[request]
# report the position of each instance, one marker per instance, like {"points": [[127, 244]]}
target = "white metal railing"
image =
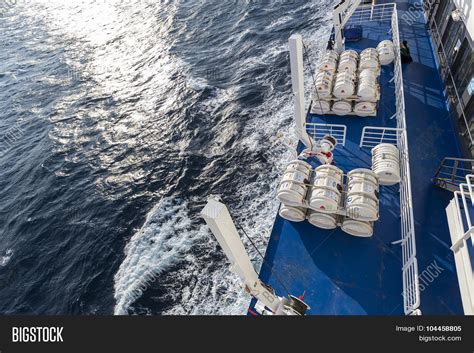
{"points": [[380, 12], [410, 263], [411, 290], [469, 179], [373, 136], [462, 230], [461, 239], [465, 191], [452, 173], [319, 131]]}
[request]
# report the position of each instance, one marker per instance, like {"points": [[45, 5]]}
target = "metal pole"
{"points": [[220, 222], [297, 79]]}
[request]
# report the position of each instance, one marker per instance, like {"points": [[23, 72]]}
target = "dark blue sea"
{"points": [[118, 119]]}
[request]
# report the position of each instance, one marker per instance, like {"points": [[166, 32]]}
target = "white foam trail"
{"points": [[5, 259], [162, 241], [168, 235]]}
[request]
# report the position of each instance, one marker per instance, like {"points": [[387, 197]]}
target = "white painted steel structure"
{"points": [[219, 220], [297, 79], [341, 15], [318, 131], [461, 230], [373, 136]]}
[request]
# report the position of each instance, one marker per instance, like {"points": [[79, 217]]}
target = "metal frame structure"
{"points": [[374, 12], [341, 14], [411, 289], [319, 131], [373, 136], [462, 230], [452, 173]]}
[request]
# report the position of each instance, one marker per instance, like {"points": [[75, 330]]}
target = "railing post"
{"points": [[455, 170], [441, 166], [363, 137]]}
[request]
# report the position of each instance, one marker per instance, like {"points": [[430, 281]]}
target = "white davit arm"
{"points": [[321, 149], [341, 14], [220, 222], [297, 80]]}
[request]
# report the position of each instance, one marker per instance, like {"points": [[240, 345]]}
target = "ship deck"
{"points": [[343, 275]]}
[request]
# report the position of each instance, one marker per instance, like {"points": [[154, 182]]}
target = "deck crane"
{"points": [[341, 15], [323, 147], [320, 149], [220, 222]]}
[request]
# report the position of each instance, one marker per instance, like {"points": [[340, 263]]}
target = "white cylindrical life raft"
{"points": [[369, 60], [294, 184], [386, 164], [358, 228], [362, 201], [326, 191], [348, 61], [367, 89], [299, 165], [365, 109], [322, 220], [293, 214], [386, 51], [329, 62], [324, 84], [341, 107], [344, 86], [320, 107]]}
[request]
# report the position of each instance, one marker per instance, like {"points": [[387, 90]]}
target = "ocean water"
{"points": [[118, 119]]}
